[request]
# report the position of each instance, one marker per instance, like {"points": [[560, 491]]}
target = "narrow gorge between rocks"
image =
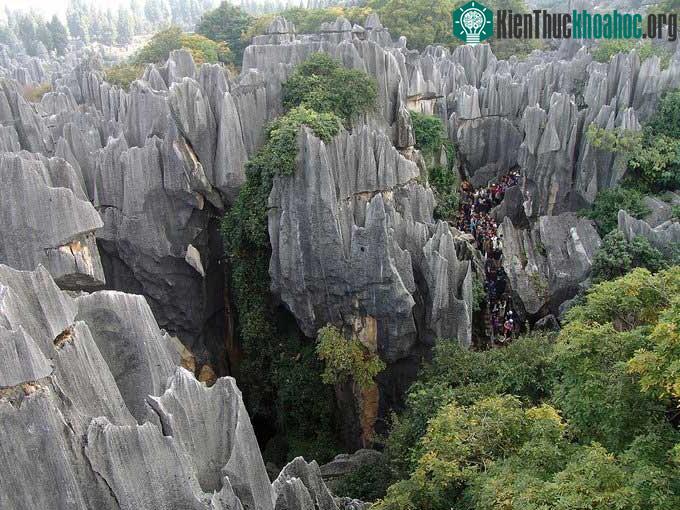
{"points": [[273, 257]]}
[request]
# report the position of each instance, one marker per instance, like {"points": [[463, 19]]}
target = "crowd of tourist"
{"points": [[474, 218]]}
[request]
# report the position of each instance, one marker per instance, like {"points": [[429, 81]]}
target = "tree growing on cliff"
{"points": [[227, 24], [322, 84], [346, 360]]}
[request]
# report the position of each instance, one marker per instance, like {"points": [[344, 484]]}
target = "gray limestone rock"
{"points": [[309, 484], [118, 321], [664, 237], [213, 427], [546, 264], [48, 225], [143, 468]]}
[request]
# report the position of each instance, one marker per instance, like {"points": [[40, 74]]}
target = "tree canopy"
{"points": [[587, 421], [226, 24]]}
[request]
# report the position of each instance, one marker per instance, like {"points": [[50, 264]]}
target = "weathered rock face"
{"points": [[664, 237], [77, 378], [546, 264], [354, 244], [300, 486], [46, 219]]}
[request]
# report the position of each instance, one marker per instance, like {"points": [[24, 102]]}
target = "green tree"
{"points": [[426, 22], [27, 34], [323, 85], [606, 49], [607, 204], [227, 24], [59, 35], [124, 27], [77, 19], [617, 256], [346, 359], [162, 43]]}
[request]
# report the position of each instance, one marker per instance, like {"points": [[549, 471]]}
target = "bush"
{"points": [[605, 210], [653, 154], [430, 138], [321, 84], [34, 93], [445, 183], [617, 257], [367, 483], [429, 133], [346, 359], [123, 75], [202, 49]]}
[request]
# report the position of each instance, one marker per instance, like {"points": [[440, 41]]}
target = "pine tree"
{"points": [[76, 19], [108, 28], [59, 35], [124, 27], [43, 34], [26, 32]]}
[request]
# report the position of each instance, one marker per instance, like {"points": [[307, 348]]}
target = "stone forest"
{"points": [[323, 255]]}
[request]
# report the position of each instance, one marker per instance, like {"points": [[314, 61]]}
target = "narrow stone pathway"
{"points": [[502, 322]]}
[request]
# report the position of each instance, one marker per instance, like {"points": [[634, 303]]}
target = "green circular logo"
{"points": [[472, 23]]}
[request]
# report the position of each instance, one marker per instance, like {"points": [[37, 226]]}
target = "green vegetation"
{"points": [[309, 20], [586, 421], [653, 154], [429, 133], [425, 22], [430, 140], [606, 49], [346, 360], [607, 204], [34, 93], [158, 49], [367, 483], [123, 74], [280, 372], [226, 24], [617, 257], [321, 84]]}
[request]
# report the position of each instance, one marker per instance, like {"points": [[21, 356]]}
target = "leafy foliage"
{"points": [[202, 49], [34, 93], [346, 359], [653, 154], [308, 21], [429, 133], [430, 140], [426, 22], [321, 84], [226, 24], [607, 204], [123, 74], [586, 426], [606, 49], [366, 483], [617, 257], [279, 366], [658, 365]]}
